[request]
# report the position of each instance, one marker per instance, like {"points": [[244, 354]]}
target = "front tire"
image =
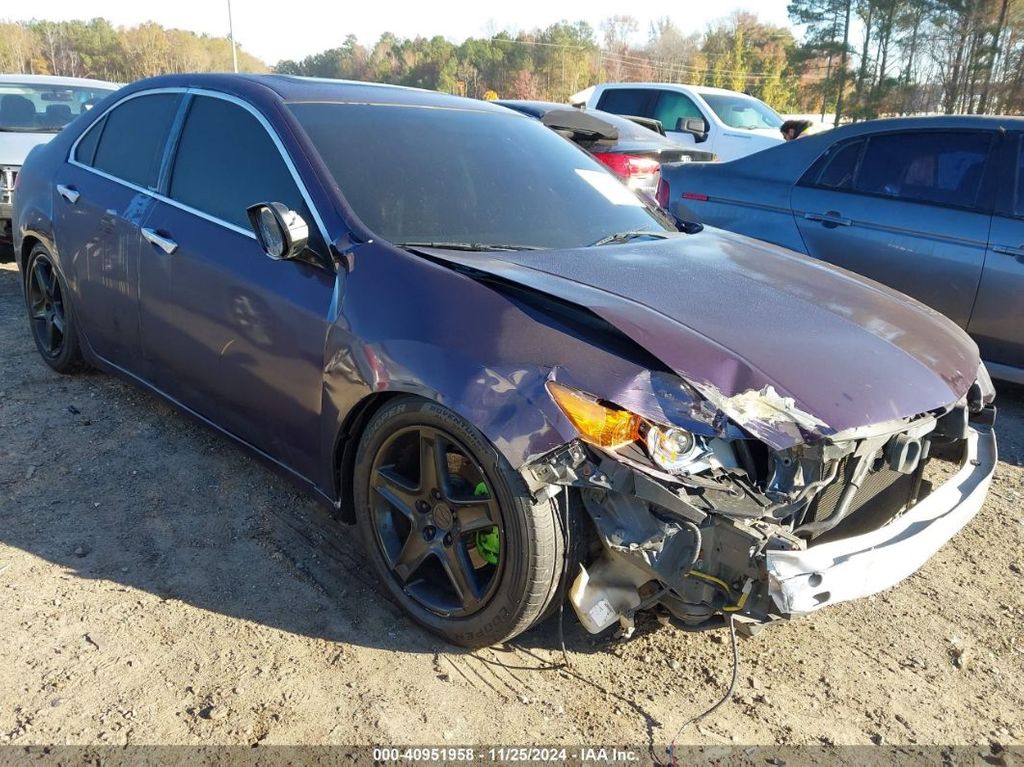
{"points": [[451, 528], [50, 313]]}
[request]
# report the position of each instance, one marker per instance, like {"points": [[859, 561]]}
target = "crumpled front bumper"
{"points": [[801, 582]]}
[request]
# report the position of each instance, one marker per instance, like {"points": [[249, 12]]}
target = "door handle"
{"points": [[1017, 253], [831, 219], [165, 244], [69, 193]]}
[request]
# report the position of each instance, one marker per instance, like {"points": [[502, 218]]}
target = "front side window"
{"points": [[130, 139], [44, 108], [418, 175], [226, 162], [673, 107], [937, 167], [743, 112]]}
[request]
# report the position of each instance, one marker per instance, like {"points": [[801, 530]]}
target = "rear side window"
{"points": [[131, 144], [227, 162], [626, 101], [673, 107], [937, 167], [86, 151]]}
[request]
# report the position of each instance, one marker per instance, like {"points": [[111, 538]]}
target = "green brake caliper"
{"points": [[488, 545]]}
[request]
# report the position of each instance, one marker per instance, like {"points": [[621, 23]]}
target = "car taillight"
{"points": [[663, 194], [638, 172]]}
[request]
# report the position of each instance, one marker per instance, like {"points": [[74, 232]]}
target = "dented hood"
{"points": [[790, 348]]}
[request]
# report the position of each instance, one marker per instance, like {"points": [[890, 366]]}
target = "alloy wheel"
{"points": [[436, 521], [46, 306]]}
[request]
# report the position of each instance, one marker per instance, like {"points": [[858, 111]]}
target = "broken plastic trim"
{"points": [[764, 406], [850, 568]]}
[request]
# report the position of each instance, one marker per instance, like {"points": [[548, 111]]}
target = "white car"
{"points": [[730, 124], [33, 108]]}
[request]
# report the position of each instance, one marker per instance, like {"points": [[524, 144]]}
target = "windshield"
{"points": [[44, 108], [743, 112], [418, 175]]}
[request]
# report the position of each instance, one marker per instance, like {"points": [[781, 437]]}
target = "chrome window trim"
{"points": [[168, 200], [187, 208], [73, 153]]}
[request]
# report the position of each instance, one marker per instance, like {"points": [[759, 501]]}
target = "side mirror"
{"points": [[282, 233], [695, 126]]}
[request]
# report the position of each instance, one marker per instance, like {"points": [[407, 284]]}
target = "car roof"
{"points": [[885, 124], [701, 89], [80, 82], [295, 89], [791, 159]]}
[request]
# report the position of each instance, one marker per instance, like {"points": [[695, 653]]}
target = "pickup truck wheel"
{"points": [[451, 528], [50, 313]]}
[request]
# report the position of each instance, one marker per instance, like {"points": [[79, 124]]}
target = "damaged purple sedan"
{"points": [[521, 383]]}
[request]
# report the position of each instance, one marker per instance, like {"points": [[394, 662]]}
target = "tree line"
{"points": [[740, 52], [99, 50], [884, 57], [552, 63], [857, 58]]}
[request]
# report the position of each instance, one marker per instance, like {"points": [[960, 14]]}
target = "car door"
{"points": [[671, 107], [997, 323], [227, 331], [904, 208], [101, 196]]}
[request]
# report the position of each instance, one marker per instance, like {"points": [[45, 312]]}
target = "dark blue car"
{"points": [[461, 332], [930, 206]]}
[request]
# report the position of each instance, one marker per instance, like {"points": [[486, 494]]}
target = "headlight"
{"points": [[8, 174], [599, 425], [672, 449]]}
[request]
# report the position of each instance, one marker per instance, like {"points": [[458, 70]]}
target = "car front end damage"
{"points": [[709, 521]]}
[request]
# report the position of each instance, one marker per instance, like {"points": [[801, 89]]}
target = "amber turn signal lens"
{"points": [[597, 424]]}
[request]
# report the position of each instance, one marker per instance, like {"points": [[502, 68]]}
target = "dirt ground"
{"points": [[159, 586]]}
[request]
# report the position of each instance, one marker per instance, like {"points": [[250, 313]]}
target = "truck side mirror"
{"points": [[695, 126]]}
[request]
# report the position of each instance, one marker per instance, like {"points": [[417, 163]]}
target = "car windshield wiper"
{"points": [[630, 234], [482, 247]]}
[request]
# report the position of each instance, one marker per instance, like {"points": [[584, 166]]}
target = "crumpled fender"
{"points": [[492, 372]]}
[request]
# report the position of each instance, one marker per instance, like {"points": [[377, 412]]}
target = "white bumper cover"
{"points": [[803, 581]]}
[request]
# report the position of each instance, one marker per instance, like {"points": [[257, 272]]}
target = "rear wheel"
{"points": [[451, 528], [50, 313]]}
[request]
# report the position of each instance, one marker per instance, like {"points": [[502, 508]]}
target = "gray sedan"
{"points": [[930, 206]]}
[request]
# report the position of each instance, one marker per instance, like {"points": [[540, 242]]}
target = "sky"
{"points": [[297, 28]]}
